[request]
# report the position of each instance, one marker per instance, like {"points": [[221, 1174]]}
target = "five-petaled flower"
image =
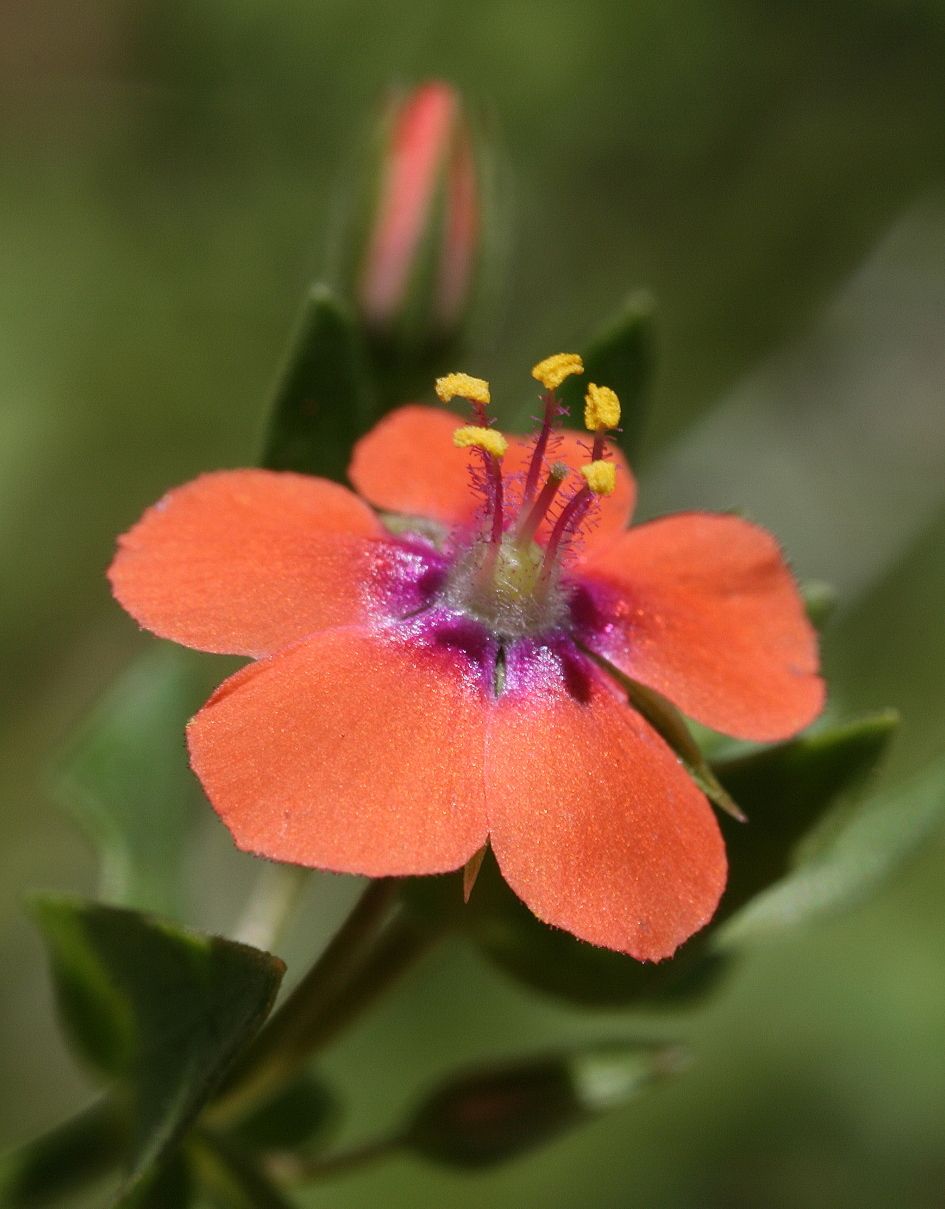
{"points": [[437, 663]]}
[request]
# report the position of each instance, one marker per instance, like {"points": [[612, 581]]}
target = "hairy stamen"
{"points": [[552, 411], [533, 518]]}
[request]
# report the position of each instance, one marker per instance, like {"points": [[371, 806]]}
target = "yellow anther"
{"points": [[472, 435], [554, 369], [601, 408], [462, 386], [601, 477]]}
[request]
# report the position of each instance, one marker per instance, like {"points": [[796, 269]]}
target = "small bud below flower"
{"points": [[474, 436], [462, 386], [601, 477], [482, 1117], [601, 408], [554, 369]]}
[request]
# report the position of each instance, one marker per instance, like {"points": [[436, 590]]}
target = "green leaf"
{"points": [[162, 1009], [62, 1161], [488, 1116], [848, 858], [785, 790], [126, 781], [622, 355], [323, 401], [548, 959], [302, 1115]]}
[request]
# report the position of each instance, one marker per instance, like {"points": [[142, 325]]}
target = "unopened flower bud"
{"points": [[488, 1116], [415, 260]]}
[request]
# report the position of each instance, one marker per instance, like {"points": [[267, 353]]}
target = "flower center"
{"points": [[509, 578], [504, 587]]}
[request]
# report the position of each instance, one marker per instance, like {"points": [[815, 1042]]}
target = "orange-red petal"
{"points": [[246, 561], [408, 464], [594, 823], [355, 751], [704, 609]]}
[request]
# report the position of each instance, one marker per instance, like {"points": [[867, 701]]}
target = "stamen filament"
{"points": [[494, 472], [529, 526], [541, 445], [570, 518], [485, 575]]}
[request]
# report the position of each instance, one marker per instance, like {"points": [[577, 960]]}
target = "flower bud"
{"points": [[485, 1117], [415, 260]]}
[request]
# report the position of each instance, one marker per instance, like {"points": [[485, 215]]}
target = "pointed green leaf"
{"points": [[786, 790], [488, 1116], [162, 1009], [126, 781], [62, 1161], [322, 402], [622, 355], [848, 858]]}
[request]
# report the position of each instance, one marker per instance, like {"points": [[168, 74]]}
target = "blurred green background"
{"points": [[773, 171]]}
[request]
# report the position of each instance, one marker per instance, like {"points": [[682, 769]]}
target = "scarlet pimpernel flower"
{"points": [[440, 662]]}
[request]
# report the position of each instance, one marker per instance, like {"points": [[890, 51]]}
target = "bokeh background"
{"points": [[774, 171]]}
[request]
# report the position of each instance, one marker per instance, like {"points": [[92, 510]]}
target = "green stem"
{"points": [[400, 945], [289, 1168], [362, 960]]}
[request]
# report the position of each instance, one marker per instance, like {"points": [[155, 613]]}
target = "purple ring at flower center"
{"points": [[423, 606]]}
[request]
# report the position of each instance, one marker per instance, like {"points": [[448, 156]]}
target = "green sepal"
{"points": [[160, 1009], [323, 401], [671, 726], [488, 1116], [125, 779], [621, 355], [63, 1161], [787, 790], [820, 602], [849, 855]]}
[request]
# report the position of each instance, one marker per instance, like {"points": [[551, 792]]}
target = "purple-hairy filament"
{"points": [[504, 578]]}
